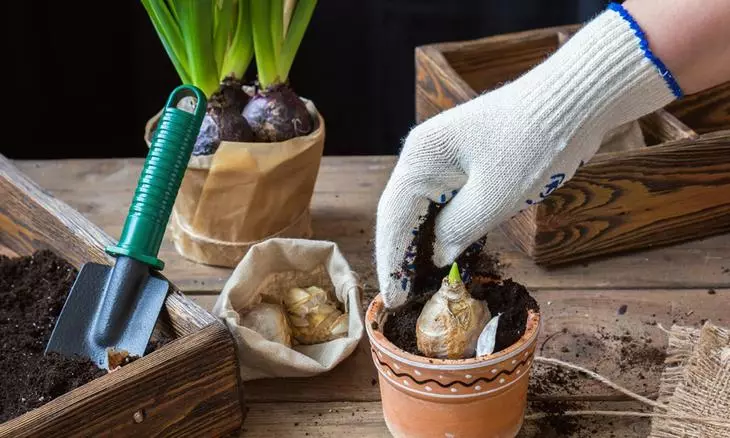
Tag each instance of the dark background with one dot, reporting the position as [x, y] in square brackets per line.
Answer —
[86, 75]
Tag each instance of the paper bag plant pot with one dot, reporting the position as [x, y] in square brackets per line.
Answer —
[266, 273]
[245, 193]
[188, 387]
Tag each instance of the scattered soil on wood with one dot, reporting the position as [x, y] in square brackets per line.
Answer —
[552, 380]
[32, 293]
[555, 423]
[481, 272]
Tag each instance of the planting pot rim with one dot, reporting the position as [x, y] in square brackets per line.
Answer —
[375, 314]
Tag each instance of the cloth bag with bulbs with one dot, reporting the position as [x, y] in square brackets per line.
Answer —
[274, 292]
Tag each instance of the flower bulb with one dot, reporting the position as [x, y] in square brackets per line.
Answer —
[451, 321]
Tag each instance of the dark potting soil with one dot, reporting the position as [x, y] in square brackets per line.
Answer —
[32, 293]
[400, 327]
[513, 302]
[510, 299]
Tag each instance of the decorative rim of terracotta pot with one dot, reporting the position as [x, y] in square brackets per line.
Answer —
[376, 314]
[510, 365]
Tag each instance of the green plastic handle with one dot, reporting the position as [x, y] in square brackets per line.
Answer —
[163, 171]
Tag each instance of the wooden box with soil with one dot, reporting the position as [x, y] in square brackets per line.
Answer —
[188, 385]
[660, 180]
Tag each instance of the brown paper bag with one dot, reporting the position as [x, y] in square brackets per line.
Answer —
[696, 382]
[266, 272]
[246, 193]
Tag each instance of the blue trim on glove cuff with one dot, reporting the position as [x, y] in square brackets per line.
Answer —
[644, 44]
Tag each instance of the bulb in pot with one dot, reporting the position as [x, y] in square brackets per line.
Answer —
[451, 321]
[314, 317]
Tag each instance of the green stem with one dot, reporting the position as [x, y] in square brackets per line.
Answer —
[240, 50]
[197, 24]
[294, 35]
[170, 35]
[277, 26]
[223, 22]
[263, 44]
[454, 275]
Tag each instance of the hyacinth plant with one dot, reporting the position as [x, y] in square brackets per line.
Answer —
[211, 44]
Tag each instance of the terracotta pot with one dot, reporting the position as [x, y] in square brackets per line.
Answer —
[478, 397]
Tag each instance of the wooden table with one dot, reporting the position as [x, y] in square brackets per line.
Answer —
[591, 309]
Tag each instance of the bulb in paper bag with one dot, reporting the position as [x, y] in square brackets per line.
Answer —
[314, 317]
[268, 320]
[451, 321]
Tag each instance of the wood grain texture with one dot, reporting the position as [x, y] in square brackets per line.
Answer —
[200, 366]
[662, 126]
[638, 199]
[365, 420]
[451, 73]
[438, 87]
[179, 402]
[33, 219]
[448, 74]
[343, 211]
[583, 327]
[705, 112]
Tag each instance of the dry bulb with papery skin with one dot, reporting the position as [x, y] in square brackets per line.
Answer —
[451, 321]
[270, 321]
[313, 316]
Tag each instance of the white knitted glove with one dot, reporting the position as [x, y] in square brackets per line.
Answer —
[511, 147]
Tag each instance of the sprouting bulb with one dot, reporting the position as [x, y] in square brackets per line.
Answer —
[451, 321]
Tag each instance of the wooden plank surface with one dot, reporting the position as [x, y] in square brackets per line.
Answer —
[604, 314]
[365, 420]
[343, 210]
[583, 327]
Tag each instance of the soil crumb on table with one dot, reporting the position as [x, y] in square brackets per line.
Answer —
[506, 297]
[33, 291]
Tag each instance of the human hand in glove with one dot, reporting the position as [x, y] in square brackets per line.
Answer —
[505, 150]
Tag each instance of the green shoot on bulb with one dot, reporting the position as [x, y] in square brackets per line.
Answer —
[454, 275]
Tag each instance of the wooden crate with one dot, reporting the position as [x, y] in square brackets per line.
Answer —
[188, 388]
[673, 187]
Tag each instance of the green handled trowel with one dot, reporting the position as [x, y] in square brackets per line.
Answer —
[116, 307]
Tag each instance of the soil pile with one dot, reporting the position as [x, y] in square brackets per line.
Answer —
[508, 298]
[33, 291]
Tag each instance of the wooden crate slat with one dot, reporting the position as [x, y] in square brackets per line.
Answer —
[705, 112]
[32, 219]
[199, 366]
[578, 222]
[189, 387]
[638, 199]
[662, 126]
[432, 96]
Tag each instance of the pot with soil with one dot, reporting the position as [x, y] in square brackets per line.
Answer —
[258, 152]
[435, 378]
